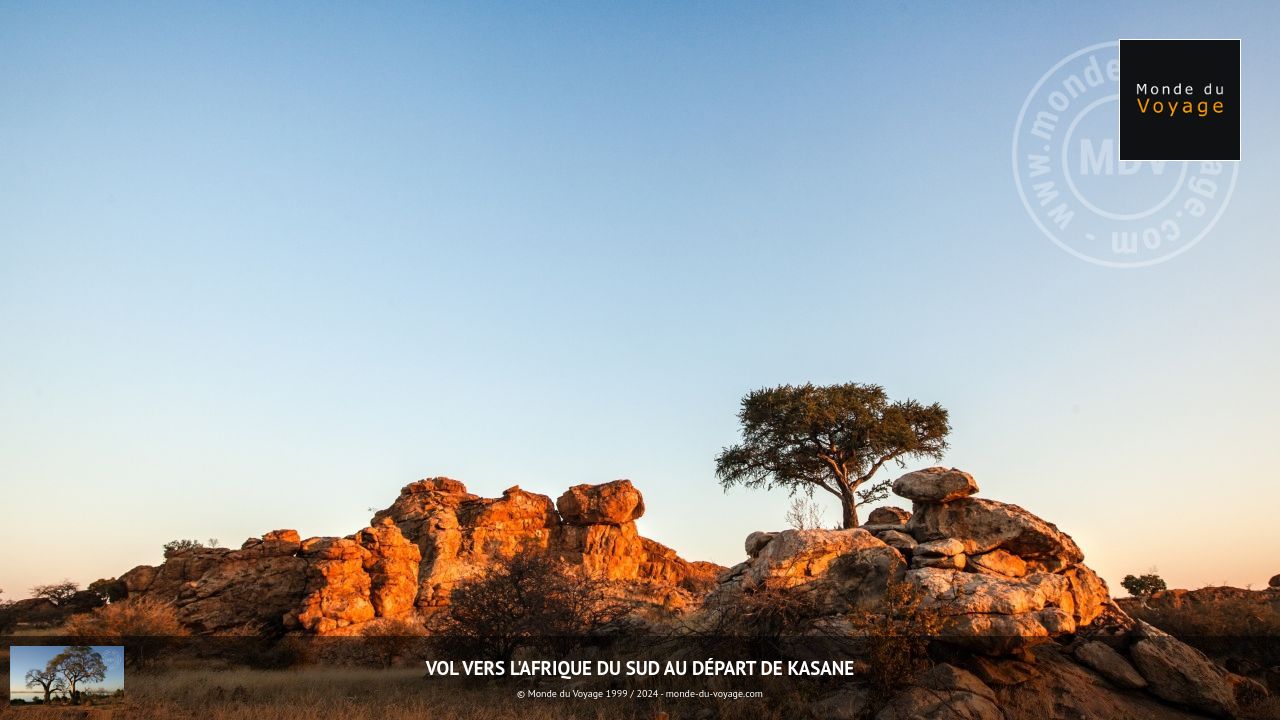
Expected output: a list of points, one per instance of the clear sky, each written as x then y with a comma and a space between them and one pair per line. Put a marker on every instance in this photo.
263, 264
35, 657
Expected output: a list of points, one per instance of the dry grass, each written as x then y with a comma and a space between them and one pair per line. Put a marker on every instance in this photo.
325, 693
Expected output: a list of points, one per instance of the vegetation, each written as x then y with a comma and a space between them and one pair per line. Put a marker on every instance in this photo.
1142, 586
181, 545
108, 590
145, 625
804, 513
79, 664
528, 602
834, 437
903, 630
59, 594
48, 680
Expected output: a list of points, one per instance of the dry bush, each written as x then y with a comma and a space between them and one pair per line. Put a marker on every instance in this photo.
146, 627
1241, 632
531, 601
138, 617
900, 634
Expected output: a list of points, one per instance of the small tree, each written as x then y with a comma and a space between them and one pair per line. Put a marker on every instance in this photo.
1142, 586
77, 664
833, 437
57, 593
47, 679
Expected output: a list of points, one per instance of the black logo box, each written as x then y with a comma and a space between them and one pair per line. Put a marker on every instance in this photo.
1186, 68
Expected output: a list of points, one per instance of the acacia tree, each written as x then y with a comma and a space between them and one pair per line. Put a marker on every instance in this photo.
48, 680
77, 664
57, 593
832, 437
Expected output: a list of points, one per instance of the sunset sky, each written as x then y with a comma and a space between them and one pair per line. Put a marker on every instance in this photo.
263, 264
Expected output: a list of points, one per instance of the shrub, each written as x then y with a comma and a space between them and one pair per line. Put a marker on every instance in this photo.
902, 631
177, 546
531, 601
145, 625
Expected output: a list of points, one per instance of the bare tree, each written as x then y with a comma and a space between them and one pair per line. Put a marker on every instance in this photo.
48, 680
804, 513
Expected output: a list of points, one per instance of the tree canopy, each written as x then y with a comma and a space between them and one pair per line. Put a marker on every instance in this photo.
1142, 586
77, 664
831, 437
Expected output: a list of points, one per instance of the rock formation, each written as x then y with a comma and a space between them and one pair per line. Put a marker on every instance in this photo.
1012, 597
1029, 630
434, 536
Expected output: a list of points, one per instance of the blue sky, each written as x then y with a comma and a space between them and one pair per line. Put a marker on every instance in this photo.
36, 657
261, 265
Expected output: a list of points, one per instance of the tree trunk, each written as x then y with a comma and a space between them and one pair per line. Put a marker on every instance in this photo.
849, 508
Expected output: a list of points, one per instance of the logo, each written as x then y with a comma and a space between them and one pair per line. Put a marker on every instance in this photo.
1082, 196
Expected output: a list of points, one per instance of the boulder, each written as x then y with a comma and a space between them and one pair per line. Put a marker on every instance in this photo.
946, 554
839, 569
941, 548
943, 562
756, 542
995, 614
899, 541
888, 516
944, 692
139, 579
1063, 689
1108, 663
986, 525
1180, 674
998, 562
1274, 581
935, 485
612, 503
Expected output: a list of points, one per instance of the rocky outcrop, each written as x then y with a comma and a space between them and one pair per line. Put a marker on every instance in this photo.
392, 565
592, 526
434, 536
1003, 587
1274, 581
